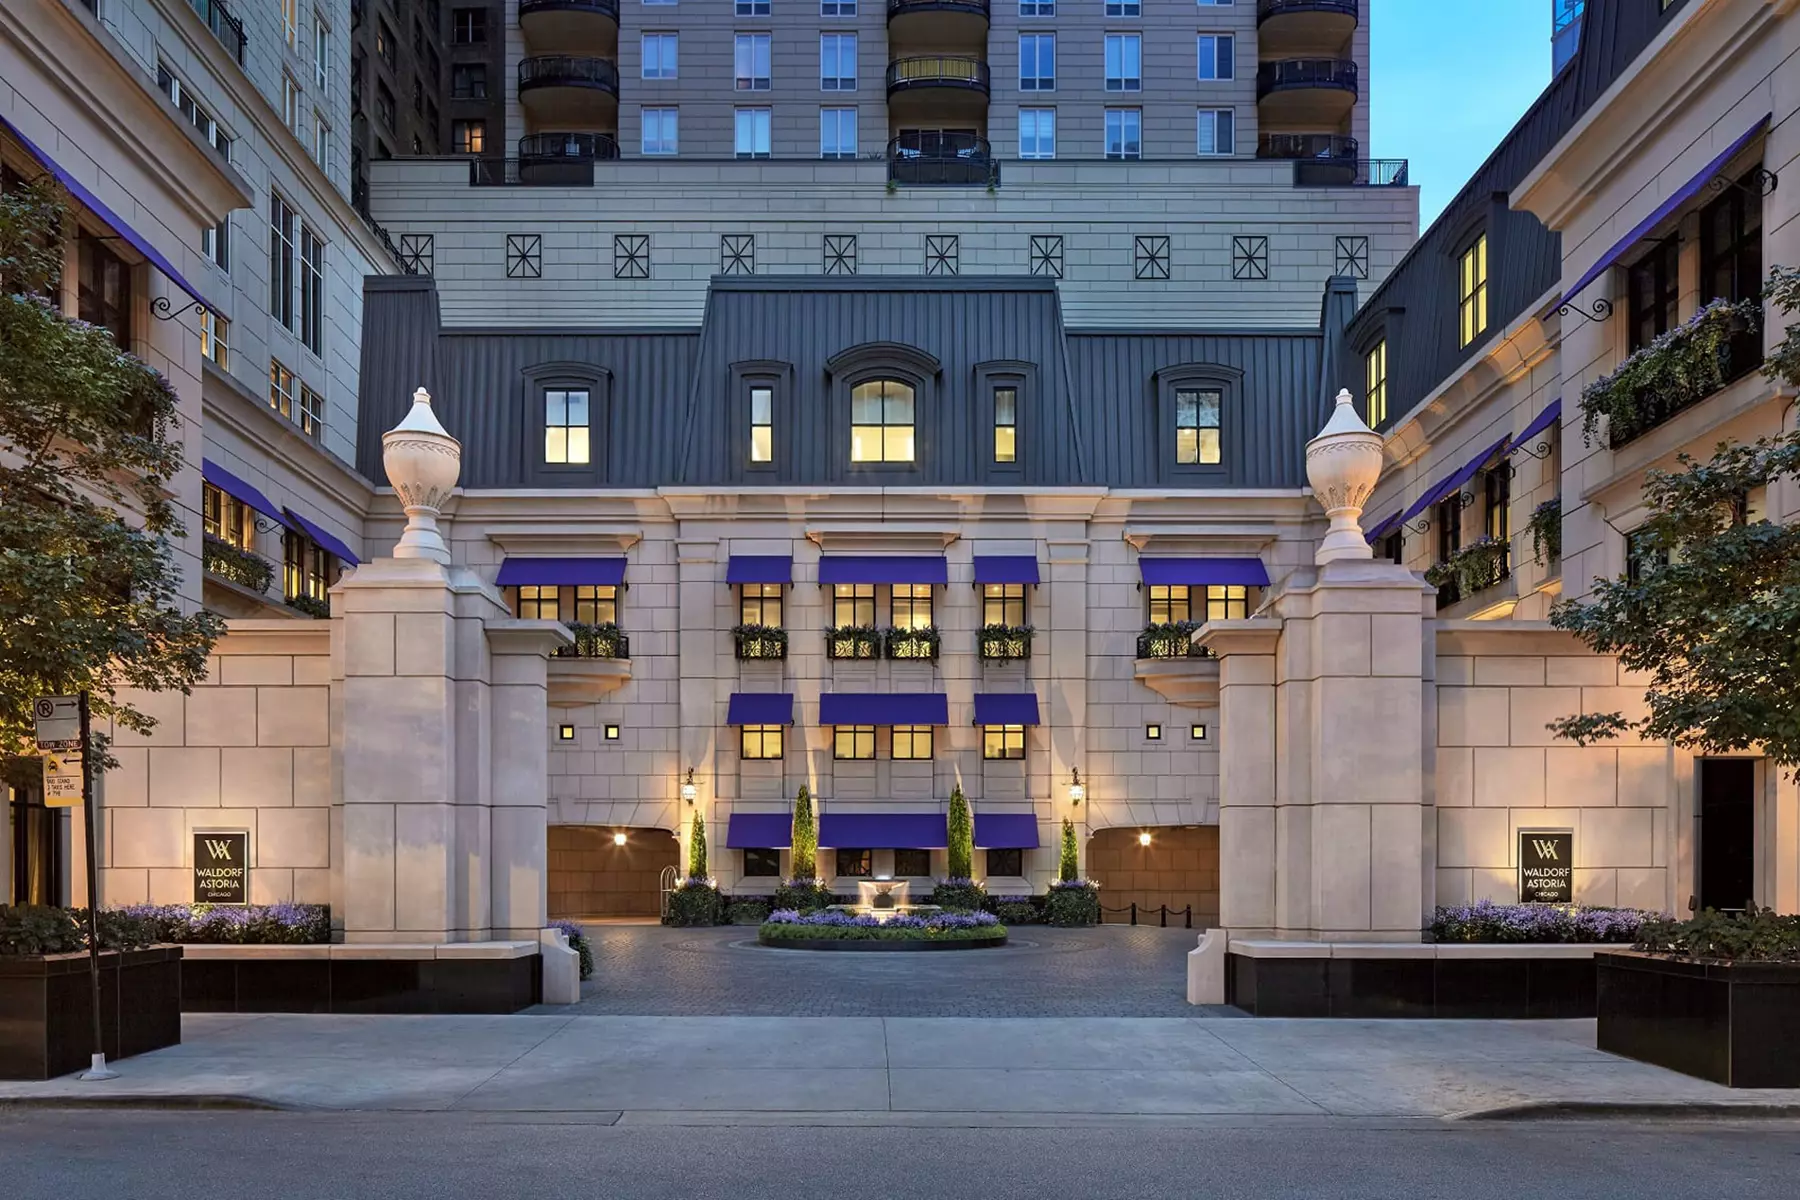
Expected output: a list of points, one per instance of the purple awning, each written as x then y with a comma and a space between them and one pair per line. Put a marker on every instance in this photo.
1006, 568
884, 831
1204, 572
1551, 415
1453, 481
759, 831
1381, 529
94, 205
323, 537
561, 572
1006, 831
232, 486
759, 568
1664, 210
884, 708
883, 568
1006, 708
760, 708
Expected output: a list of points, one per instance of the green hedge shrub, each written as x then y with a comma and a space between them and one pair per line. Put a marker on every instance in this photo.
803, 895
959, 894
747, 912
694, 902
1072, 903
1759, 935
1016, 912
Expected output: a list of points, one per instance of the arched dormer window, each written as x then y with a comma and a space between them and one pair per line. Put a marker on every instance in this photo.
883, 413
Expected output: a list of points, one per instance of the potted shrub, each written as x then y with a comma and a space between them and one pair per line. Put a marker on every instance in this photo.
1072, 899
1716, 997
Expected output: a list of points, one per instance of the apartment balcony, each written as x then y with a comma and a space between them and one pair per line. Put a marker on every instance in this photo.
1304, 28
1352, 172
937, 88
942, 160
225, 24
1306, 91
571, 26
569, 89
938, 22
1327, 146
547, 160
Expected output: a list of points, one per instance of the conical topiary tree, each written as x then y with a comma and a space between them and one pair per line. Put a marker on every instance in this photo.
804, 842
1069, 868
697, 849
961, 842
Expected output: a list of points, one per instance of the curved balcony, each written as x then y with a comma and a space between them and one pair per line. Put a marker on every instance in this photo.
571, 26
1306, 91
1307, 145
937, 87
562, 159
1306, 27
569, 89
942, 160
938, 22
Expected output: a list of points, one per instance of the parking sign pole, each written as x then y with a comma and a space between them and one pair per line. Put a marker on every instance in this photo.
98, 1068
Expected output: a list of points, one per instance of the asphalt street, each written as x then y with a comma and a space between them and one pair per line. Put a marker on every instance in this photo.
73, 1155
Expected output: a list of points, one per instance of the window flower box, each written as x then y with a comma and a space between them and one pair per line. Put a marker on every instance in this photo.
760, 641
242, 567
1545, 528
1474, 568
596, 641
920, 643
1720, 343
853, 641
1005, 643
312, 606
1170, 639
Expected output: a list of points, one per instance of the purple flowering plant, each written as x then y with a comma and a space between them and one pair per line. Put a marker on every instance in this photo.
1488, 922
247, 924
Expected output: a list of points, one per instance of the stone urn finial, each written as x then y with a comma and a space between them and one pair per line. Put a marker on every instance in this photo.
1342, 464
423, 463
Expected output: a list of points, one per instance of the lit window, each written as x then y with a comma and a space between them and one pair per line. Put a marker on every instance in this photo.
1003, 604
999, 742
1153, 733
312, 413
281, 389
539, 603
760, 604
226, 517
1375, 379
215, 334
1227, 602
1006, 424
1124, 61
853, 604
1037, 133
1196, 426
762, 425
1215, 134
760, 742
911, 605
661, 130
752, 129
1169, 604
596, 604
881, 422
566, 426
469, 137
912, 741
750, 58
1471, 291
853, 742
1216, 55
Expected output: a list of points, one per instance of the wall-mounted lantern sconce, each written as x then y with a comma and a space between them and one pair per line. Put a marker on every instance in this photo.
1144, 838
618, 839
689, 790
1077, 792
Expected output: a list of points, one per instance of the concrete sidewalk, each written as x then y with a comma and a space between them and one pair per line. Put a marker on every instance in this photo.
894, 1070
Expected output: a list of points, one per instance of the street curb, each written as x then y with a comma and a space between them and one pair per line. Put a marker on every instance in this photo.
168, 1102
1679, 1110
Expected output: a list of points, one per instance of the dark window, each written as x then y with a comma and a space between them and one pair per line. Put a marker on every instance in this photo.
384, 43
853, 743
468, 81
312, 291
468, 26
762, 864
1006, 862
1731, 253
282, 234
1497, 520
854, 863
911, 605
1449, 526
1047, 255
1640, 559
105, 290
912, 863
759, 743
384, 108
1393, 547
1655, 292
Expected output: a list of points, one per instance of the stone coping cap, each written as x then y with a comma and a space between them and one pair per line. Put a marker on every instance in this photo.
367, 950
1269, 948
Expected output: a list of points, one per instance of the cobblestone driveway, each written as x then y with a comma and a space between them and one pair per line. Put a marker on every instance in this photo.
1111, 971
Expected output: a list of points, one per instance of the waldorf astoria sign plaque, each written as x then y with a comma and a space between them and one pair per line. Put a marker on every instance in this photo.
221, 868
1546, 866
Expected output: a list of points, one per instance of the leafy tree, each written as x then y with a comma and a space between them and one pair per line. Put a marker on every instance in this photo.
961, 841
89, 590
697, 849
1069, 868
804, 844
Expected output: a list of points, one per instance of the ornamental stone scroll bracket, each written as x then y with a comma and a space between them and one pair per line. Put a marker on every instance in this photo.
1343, 464
423, 463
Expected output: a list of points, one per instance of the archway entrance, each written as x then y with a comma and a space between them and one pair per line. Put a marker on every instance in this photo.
1178, 867
601, 871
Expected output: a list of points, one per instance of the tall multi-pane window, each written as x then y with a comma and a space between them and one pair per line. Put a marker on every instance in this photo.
881, 422
1197, 426
281, 389
760, 742
659, 54
852, 604
1124, 62
1375, 384
1227, 602
566, 425
1037, 62
1497, 501
1124, 133
752, 132
468, 81
312, 290
281, 260
290, 23
1217, 56
1449, 526
852, 742
762, 424
1215, 132
662, 128
750, 59
760, 604
1471, 291
911, 605
226, 518
1731, 245
1000, 742
312, 412
321, 54
103, 283
596, 604
539, 603
468, 26
837, 133
837, 62
1006, 424
1654, 292
215, 337
1003, 604
321, 139
1037, 133
293, 103
1169, 603
469, 137
307, 570
912, 741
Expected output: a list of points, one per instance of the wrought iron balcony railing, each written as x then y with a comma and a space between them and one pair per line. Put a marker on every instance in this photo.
1281, 8
760, 642
942, 160
569, 70
568, 147
1174, 639
1292, 73
596, 641
912, 643
1005, 643
938, 70
1307, 145
225, 25
1351, 172
601, 8
242, 567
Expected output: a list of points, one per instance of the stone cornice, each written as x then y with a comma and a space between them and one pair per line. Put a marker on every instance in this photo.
1243, 635
274, 636
566, 537
1468, 638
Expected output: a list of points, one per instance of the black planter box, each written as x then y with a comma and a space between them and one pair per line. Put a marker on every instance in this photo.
1447, 987
46, 1009
1732, 1023
361, 985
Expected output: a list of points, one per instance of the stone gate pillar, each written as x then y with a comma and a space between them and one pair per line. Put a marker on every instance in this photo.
519, 839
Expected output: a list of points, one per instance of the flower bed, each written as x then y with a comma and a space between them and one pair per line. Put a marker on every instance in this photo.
247, 925
578, 942
834, 930
1491, 923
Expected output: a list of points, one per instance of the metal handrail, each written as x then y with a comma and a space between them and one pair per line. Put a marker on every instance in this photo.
1306, 73
569, 69
604, 8
898, 8
1306, 145
226, 27
1281, 8
955, 69
942, 159
568, 147
1351, 172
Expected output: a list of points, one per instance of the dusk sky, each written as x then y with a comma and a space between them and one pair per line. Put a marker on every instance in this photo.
1450, 78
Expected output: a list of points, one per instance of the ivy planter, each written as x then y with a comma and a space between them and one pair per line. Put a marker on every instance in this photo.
1170, 639
853, 642
1470, 570
1005, 643
1728, 1021
759, 642
1720, 343
919, 643
219, 557
1545, 528
46, 1009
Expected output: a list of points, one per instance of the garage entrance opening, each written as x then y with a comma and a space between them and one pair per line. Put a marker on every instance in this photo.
1178, 866
598, 871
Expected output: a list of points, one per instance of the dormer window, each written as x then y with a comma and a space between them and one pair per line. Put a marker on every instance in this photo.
881, 422
1472, 291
